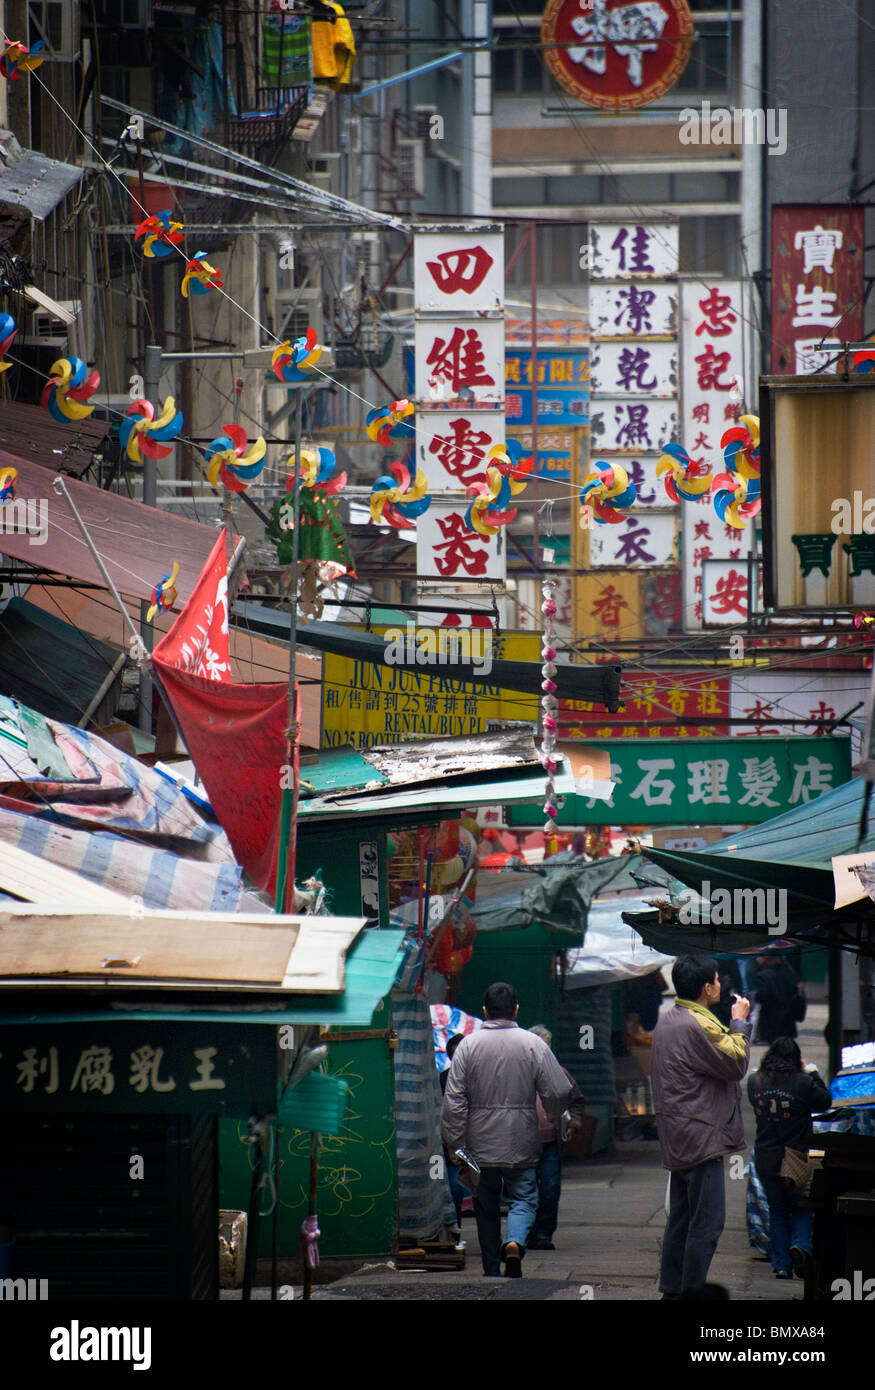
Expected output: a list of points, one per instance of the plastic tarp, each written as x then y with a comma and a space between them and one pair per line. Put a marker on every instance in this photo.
611, 950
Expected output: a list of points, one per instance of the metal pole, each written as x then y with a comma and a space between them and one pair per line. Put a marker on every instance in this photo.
533, 274
288, 817
60, 487
151, 378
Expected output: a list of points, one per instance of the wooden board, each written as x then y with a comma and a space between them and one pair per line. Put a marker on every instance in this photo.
317, 964
165, 947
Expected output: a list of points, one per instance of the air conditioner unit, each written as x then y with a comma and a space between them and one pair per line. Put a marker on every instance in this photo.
298, 310
56, 22
410, 166
422, 116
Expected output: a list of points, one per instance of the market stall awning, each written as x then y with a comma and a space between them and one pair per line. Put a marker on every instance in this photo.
372, 965
31, 184
600, 684
30, 431
138, 544
53, 668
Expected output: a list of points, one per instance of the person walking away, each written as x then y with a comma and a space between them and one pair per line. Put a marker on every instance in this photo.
785, 1093
696, 1070
780, 997
550, 1167
457, 1191
489, 1110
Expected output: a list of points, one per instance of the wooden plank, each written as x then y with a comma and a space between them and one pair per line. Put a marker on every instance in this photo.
37, 881
317, 964
171, 946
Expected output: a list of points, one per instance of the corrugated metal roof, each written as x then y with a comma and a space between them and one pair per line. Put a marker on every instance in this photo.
30, 432
30, 183
372, 964
810, 834
340, 769
437, 798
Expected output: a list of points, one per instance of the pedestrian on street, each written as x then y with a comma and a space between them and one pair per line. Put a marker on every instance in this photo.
489, 1110
456, 1189
780, 996
785, 1093
550, 1166
697, 1068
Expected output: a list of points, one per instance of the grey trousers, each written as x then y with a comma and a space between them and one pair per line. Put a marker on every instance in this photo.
697, 1213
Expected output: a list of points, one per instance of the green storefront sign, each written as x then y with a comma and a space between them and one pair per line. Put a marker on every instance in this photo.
737, 781
138, 1068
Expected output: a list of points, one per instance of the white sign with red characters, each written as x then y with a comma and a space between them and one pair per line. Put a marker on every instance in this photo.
713, 387
452, 449
448, 549
459, 361
458, 272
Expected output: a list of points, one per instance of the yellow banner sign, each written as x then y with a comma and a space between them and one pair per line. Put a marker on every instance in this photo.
364, 702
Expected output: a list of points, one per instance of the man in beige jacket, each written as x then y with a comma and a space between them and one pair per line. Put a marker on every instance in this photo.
489, 1110
696, 1069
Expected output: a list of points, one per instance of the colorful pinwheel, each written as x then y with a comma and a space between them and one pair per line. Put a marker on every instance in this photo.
607, 490
384, 425
69, 388
317, 466
488, 512
162, 235
397, 498
736, 498
689, 479
199, 276
228, 459
741, 447
164, 593
17, 59
510, 460
7, 333
147, 437
862, 361
8, 479
289, 358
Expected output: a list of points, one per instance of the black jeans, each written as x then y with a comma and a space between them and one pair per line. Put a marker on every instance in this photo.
697, 1214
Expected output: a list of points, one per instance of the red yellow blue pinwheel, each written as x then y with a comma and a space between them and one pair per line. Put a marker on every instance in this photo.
489, 511
511, 460
317, 466
385, 425
7, 333
862, 361
290, 357
688, 479
736, 499
8, 479
607, 490
741, 447
200, 276
144, 436
69, 388
229, 459
17, 59
397, 498
162, 235
164, 594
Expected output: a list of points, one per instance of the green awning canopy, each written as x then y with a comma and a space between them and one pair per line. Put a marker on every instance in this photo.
371, 967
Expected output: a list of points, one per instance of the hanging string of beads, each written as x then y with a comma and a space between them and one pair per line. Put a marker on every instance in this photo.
549, 706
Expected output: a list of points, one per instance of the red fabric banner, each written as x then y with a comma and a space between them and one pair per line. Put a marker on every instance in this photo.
234, 733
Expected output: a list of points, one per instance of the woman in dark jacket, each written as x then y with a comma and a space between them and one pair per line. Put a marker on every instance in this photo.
785, 1093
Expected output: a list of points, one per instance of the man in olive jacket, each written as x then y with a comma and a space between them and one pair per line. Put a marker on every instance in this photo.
489, 1109
697, 1068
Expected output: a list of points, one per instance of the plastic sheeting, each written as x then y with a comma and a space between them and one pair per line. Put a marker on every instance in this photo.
611, 950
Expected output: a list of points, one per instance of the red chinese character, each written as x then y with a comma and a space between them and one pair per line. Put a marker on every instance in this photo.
697, 609
458, 545
702, 442
607, 607
463, 454
704, 552
702, 531
711, 366
731, 412
463, 270
460, 361
513, 406
702, 413
730, 594
668, 602
719, 322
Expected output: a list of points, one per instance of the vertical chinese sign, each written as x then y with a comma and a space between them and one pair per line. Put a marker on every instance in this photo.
817, 285
459, 372
633, 414
715, 563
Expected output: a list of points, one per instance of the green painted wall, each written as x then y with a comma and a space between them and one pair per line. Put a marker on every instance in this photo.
523, 958
357, 1200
